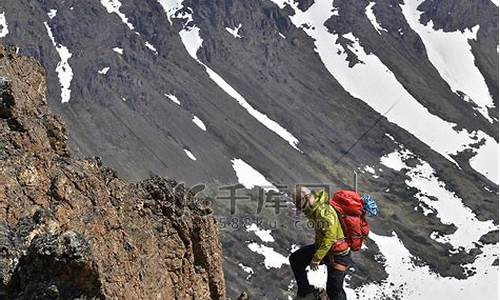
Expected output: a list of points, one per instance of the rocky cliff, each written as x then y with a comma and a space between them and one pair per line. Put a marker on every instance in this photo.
71, 228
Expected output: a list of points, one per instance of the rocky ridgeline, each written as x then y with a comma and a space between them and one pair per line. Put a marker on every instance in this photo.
72, 229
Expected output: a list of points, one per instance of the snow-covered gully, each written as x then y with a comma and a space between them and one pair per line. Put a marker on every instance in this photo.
63, 69
451, 54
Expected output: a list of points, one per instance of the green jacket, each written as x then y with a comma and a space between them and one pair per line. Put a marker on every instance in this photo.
326, 224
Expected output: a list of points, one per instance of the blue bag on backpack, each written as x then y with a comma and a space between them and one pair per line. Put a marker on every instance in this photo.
370, 205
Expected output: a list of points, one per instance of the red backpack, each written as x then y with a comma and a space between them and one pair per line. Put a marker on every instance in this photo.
349, 208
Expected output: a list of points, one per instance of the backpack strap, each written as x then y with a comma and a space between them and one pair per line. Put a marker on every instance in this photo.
339, 267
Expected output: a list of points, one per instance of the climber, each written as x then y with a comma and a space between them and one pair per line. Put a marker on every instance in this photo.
329, 247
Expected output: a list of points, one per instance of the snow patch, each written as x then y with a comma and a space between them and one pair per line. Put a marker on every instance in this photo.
192, 41
113, 6
189, 154
151, 47
406, 280
4, 28
449, 208
451, 55
272, 259
319, 277
170, 7
234, 31
369, 169
263, 234
486, 159
63, 69
176, 101
488, 189
249, 177
118, 50
246, 269
394, 160
103, 71
199, 123
52, 13
370, 14
294, 247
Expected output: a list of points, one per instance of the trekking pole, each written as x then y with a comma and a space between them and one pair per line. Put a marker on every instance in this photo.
355, 181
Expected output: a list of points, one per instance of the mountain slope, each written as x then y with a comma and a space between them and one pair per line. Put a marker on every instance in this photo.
301, 91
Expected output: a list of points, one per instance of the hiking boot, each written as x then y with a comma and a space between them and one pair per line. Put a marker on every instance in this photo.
309, 296
320, 294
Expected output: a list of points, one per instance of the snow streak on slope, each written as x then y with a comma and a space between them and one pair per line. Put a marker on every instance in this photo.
199, 123
63, 69
452, 56
176, 101
4, 29
189, 154
249, 177
151, 47
190, 37
409, 281
234, 31
382, 91
113, 6
262, 118
448, 206
370, 14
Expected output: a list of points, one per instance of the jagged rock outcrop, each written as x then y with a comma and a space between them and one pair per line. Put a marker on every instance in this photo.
72, 229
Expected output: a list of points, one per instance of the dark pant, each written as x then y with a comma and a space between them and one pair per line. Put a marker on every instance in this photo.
301, 258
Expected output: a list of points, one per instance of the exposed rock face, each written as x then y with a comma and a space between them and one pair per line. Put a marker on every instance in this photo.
70, 228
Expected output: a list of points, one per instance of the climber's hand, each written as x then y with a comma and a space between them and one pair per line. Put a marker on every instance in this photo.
314, 265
